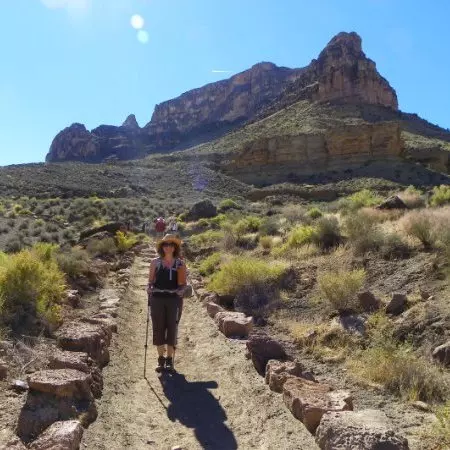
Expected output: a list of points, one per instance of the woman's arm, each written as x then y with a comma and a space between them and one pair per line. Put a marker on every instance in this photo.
152, 275
182, 279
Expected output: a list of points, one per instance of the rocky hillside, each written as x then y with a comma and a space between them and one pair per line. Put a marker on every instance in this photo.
341, 73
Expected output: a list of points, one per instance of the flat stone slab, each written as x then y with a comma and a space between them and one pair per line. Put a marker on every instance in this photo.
366, 429
309, 401
65, 435
109, 303
92, 339
62, 383
108, 294
278, 372
234, 324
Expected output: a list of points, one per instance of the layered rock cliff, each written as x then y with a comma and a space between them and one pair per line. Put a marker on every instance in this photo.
341, 73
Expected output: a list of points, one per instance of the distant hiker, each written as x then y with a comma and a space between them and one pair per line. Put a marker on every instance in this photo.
167, 283
160, 227
174, 227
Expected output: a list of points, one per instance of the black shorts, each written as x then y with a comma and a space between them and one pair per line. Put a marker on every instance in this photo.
165, 313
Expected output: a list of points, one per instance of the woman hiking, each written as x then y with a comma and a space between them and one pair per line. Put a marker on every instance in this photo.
167, 282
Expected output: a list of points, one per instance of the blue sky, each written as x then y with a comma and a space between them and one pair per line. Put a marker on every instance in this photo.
66, 61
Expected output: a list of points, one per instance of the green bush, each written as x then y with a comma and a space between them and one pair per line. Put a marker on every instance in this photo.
421, 225
228, 204
248, 224
340, 288
401, 371
125, 241
363, 232
360, 199
301, 235
102, 247
30, 284
441, 195
327, 233
73, 262
266, 242
210, 237
314, 213
269, 226
243, 272
210, 264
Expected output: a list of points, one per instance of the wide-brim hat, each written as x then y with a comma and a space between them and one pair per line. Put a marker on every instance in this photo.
169, 238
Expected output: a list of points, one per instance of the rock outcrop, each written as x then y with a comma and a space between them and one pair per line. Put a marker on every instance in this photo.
106, 142
341, 73
338, 148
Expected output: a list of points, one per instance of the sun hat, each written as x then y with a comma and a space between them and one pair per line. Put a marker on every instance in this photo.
169, 238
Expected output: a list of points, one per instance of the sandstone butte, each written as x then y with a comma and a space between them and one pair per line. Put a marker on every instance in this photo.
341, 77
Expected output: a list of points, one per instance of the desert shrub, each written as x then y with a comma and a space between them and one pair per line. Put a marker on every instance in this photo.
256, 299
248, 224
363, 233
218, 221
440, 196
314, 213
339, 288
266, 242
24, 225
54, 237
125, 241
11, 223
210, 237
2, 210
30, 285
359, 199
73, 262
45, 237
420, 225
438, 434
51, 227
300, 235
13, 245
102, 247
269, 226
210, 264
294, 213
242, 272
401, 371
393, 246
228, 204
247, 241
413, 198
327, 232
39, 223
45, 251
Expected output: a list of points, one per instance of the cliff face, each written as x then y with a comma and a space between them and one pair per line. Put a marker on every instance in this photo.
106, 142
341, 73
338, 148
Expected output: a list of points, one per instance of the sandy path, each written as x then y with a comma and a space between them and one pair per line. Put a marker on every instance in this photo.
217, 401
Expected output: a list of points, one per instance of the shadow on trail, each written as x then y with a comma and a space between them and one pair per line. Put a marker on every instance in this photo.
195, 407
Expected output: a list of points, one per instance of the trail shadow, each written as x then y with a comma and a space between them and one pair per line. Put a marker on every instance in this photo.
195, 407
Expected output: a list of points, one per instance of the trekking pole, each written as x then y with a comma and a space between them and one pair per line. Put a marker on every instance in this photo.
146, 342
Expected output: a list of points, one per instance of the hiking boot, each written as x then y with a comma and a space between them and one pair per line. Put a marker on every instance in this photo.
169, 365
161, 363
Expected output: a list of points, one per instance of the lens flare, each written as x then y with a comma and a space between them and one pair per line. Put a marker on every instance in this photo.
142, 36
137, 21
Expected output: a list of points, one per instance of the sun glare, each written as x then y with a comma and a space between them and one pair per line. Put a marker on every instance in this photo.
143, 36
137, 21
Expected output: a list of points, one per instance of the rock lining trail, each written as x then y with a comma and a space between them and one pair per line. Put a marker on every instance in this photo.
215, 401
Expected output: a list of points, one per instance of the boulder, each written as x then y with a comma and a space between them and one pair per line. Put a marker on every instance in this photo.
442, 354
92, 339
64, 435
100, 319
234, 324
212, 309
263, 348
366, 430
351, 323
74, 298
397, 304
277, 372
188, 292
202, 209
62, 383
368, 301
82, 362
3, 370
309, 401
14, 443
393, 202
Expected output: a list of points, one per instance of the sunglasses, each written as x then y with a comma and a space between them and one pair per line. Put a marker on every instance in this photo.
168, 244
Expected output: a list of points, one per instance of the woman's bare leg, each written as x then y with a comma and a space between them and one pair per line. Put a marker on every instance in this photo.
161, 350
170, 351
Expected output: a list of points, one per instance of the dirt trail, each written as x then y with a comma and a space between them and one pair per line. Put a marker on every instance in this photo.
216, 401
